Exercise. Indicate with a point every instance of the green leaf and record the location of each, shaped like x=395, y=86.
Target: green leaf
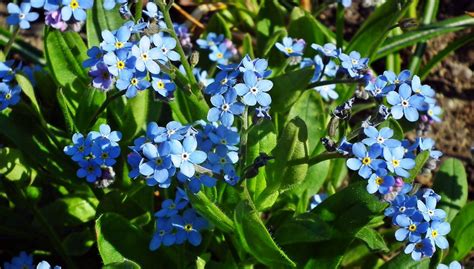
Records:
x=396, y=43
x=125, y=264
x=28, y=90
x=135, y=115
x=13, y=165
x=272, y=40
x=248, y=46
x=89, y=102
x=453, y=46
x=303, y=25
x=420, y=161
x=78, y=243
x=270, y=19
x=219, y=25
x=373, y=239
x=255, y=238
x=261, y=138
x=287, y=88
x=188, y=108
x=304, y=228
x=461, y=235
x=372, y=33
x=99, y=19
x=395, y=126
x=211, y=212
x=66, y=111
x=290, y=165
x=118, y=240
x=451, y=183
x=405, y=261
x=70, y=211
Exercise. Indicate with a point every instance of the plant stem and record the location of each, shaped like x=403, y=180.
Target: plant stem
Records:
x=339, y=25
x=323, y=157
x=243, y=141
x=104, y=105
x=329, y=82
x=184, y=61
x=9, y=45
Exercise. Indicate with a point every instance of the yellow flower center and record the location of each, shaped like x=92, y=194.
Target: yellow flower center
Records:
x=366, y=161
x=160, y=84
x=134, y=81
x=74, y=4
x=188, y=227
x=8, y=96
x=396, y=163
x=289, y=50
x=430, y=112
x=412, y=228
x=379, y=181
x=120, y=65
x=434, y=233
x=144, y=56
x=219, y=55
x=119, y=45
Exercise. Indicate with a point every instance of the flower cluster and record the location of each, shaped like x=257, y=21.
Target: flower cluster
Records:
x=9, y=89
x=177, y=222
x=221, y=49
x=25, y=261
x=291, y=47
x=406, y=95
x=95, y=153
x=58, y=14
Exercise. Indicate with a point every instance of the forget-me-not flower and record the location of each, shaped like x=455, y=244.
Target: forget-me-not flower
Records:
x=145, y=56
x=75, y=9
x=423, y=247
x=253, y=90
x=21, y=15
x=165, y=47
x=291, y=47
x=117, y=40
x=131, y=82
x=405, y=104
x=396, y=161
x=225, y=107
x=365, y=160
x=185, y=155
x=382, y=137
x=437, y=231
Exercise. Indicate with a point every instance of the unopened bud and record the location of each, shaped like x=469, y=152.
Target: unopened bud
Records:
x=408, y=24
x=194, y=58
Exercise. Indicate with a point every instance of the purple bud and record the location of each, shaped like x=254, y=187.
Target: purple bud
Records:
x=53, y=19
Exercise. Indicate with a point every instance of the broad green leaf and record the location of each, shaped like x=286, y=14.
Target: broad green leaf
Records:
x=290, y=165
x=261, y=139
x=287, y=88
x=372, y=33
x=13, y=165
x=405, y=261
x=303, y=228
x=66, y=111
x=90, y=101
x=420, y=161
x=337, y=172
x=270, y=19
x=28, y=90
x=453, y=46
x=70, y=211
x=395, y=126
x=373, y=239
x=135, y=115
x=303, y=25
x=461, y=235
x=255, y=238
x=451, y=183
x=125, y=264
x=272, y=40
x=211, y=212
x=99, y=19
x=423, y=33
x=78, y=243
x=248, y=46
x=188, y=107
x=118, y=240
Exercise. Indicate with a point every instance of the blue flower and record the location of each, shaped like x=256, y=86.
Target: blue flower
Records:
x=223, y=160
x=405, y=104
x=291, y=47
x=434, y=112
x=117, y=40
x=420, y=249
x=231, y=178
x=263, y=112
x=105, y=153
x=411, y=227
x=353, y=63
x=381, y=182
x=328, y=50
x=345, y=3
x=452, y=265
x=220, y=54
x=164, y=234
x=46, y=265
x=194, y=183
x=89, y=169
x=146, y=56
x=224, y=80
x=254, y=91
x=136, y=28
x=396, y=162
x=170, y=208
x=188, y=227
x=48, y=5
x=101, y=77
x=380, y=87
x=165, y=47
x=437, y=231
x=225, y=107
x=82, y=147
x=345, y=147
x=9, y=95
x=173, y=131
x=95, y=56
x=225, y=137
x=158, y=167
x=76, y=9
x=119, y=61
x=317, y=199
x=184, y=156
x=428, y=144
x=365, y=161
x=403, y=77
x=401, y=205
x=163, y=85
x=327, y=92
x=7, y=73
x=21, y=15
x=152, y=11
x=258, y=66
x=132, y=82
x=110, y=4
x=106, y=133
x=429, y=211
x=23, y=260
x=382, y=137
x=212, y=39
x=134, y=159
x=418, y=88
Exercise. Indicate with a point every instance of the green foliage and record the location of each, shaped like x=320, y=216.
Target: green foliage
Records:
x=99, y=19
x=462, y=232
